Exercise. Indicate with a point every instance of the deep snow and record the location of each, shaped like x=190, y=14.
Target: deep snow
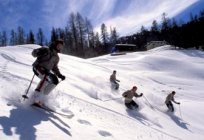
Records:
x=99, y=110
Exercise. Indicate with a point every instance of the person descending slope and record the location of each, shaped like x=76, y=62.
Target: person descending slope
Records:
x=46, y=68
x=128, y=95
x=168, y=100
x=113, y=80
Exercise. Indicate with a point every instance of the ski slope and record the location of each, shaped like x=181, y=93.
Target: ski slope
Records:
x=99, y=111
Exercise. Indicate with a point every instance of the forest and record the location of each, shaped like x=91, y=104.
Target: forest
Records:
x=81, y=40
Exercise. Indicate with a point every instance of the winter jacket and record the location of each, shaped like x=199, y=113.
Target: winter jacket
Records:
x=129, y=94
x=47, y=58
x=113, y=78
x=170, y=97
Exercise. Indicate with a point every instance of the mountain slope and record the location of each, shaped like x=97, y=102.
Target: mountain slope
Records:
x=99, y=110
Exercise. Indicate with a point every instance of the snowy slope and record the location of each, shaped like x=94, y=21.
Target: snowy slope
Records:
x=99, y=110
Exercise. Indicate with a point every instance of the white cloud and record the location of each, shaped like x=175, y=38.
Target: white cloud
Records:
x=102, y=9
x=96, y=10
x=144, y=12
x=138, y=12
x=131, y=16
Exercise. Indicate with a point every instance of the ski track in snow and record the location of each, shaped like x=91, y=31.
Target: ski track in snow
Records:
x=12, y=59
x=79, y=103
x=132, y=115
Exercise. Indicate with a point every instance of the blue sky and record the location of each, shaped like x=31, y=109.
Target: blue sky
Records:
x=126, y=15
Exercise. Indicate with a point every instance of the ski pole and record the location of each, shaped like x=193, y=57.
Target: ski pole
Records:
x=148, y=102
x=111, y=99
x=180, y=111
x=25, y=95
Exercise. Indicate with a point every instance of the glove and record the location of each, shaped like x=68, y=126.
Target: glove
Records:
x=118, y=80
x=141, y=94
x=178, y=103
x=61, y=77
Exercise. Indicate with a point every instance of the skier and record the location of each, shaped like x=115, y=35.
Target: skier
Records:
x=168, y=100
x=46, y=68
x=128, y=95
x=113, y=80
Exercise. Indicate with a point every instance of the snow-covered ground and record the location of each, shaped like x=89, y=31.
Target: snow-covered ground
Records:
x=99, y=110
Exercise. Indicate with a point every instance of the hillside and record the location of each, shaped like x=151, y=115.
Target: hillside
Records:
x=99, y=110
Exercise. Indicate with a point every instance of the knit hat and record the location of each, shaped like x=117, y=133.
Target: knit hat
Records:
x=134, y=87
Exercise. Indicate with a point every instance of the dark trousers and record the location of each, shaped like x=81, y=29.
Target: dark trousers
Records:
x=170, y=106
x=131, y=105
x=45, y=77
x=115, y=84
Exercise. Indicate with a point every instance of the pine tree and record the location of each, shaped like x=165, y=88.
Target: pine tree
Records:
x=3, y=38
x=113, y=36
x=90, y=34
x=40, y=37
x=20, y=36
x=13, y=38
x=97, y=42
x=68, y=41
x=104, y=34
x=165, y=22
x=73, y=31
x=154, y=27
x=80, y=24
x=104, y=38
x=53, y=35
x=60, y=33
x=30, y=38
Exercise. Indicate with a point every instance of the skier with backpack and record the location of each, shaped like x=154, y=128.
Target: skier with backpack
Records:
x=128, y=95
x=169, y=98
x=114, y=81
x=46, y=68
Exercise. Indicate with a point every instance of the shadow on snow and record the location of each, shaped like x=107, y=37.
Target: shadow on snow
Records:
x=24, y=121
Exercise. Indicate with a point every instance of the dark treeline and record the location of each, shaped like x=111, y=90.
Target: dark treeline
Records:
x=78, y=35
x=80, y=39
x=182, y=35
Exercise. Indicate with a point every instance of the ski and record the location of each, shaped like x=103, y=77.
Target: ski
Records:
x=53, y=111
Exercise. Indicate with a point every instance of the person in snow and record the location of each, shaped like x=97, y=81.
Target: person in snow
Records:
x=168, y=100
x=46, y=68
x=113, y=80
x=128, y=95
